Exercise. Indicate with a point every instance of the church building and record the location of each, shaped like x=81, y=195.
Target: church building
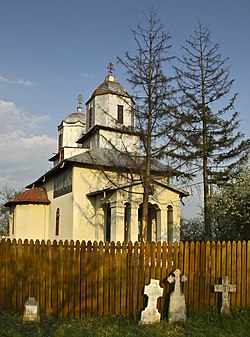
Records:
x=94, y=189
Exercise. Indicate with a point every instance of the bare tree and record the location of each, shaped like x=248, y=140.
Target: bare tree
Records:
x=209, y=129
x=153, y=94
x=6, y=194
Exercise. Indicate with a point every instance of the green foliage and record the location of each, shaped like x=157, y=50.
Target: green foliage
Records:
x=230, y=210
x=205, y=323
x=192, y=229
x=230, y=205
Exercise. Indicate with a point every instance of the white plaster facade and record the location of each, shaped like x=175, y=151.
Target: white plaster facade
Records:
x=90, y=197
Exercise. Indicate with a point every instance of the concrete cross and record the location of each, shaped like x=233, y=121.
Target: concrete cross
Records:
x=225, y=288
x=153, y=291
x=177, y=305
x=151, y=313
x=177, y=279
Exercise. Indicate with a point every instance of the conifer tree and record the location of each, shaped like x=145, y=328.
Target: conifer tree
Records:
x=210, y=123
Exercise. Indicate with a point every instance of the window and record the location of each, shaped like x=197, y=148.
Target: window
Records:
x=57, y=221
x=63, y=183
x=120, y=114
x=60, y=142
x=90, y=117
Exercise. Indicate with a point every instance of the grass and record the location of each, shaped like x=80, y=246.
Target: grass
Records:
x=208, y=323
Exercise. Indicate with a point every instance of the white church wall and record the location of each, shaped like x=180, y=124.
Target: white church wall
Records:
x=105, y=110
x=123, y=142
x=32, y=221
x=64, y=204
x=71, y=134
x=84, y=222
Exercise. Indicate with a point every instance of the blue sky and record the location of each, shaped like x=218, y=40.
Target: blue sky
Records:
x=52, y=50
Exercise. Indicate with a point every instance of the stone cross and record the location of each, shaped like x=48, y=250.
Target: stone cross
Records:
x=225, y=288
x=151, y=313
x=177, y=305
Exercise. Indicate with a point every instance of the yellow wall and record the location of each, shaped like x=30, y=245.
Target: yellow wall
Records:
x=30, y=222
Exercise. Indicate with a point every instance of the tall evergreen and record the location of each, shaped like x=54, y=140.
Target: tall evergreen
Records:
x=210, y=123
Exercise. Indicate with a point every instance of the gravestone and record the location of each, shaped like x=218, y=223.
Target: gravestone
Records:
x=31, y=310
x=225, y=288
x=151, y=314
x=177, y=306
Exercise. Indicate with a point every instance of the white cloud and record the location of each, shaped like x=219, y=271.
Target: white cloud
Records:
x=26, y=83
x=13, y=118
x=23, y=82
x=23, y=154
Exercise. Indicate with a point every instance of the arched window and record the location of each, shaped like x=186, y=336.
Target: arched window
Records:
x=107, y=227
x=57, y=221
x=170, y=215
x=127, y=222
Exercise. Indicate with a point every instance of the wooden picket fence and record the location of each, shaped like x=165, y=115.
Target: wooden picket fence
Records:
x=79, y=279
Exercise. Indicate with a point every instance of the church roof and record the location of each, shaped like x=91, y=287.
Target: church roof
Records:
x=110, y=86
x=181, y=192
x=108, y=159
x=114, y=159
x=75, y=117
x=36, y=195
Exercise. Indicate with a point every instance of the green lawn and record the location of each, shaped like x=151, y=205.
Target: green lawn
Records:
x=202, y=324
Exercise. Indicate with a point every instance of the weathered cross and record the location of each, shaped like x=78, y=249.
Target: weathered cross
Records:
x=80, y=99
x=177, y=279
x=177, y=305
x=110, y=68
x=151, y=314
x=153, y=291
x=225, y=288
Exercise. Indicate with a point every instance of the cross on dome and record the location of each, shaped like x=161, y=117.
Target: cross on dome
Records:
x=110, y=68
x=80, y=99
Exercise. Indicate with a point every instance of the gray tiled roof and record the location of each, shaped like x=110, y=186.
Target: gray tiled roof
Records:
x=115, y=159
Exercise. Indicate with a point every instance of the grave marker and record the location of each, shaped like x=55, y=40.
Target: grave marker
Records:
x=225, y=288
x=151, y=314
x=177, y=306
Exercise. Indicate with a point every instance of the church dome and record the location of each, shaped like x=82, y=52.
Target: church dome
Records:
x=75, y=117
x=110, y=86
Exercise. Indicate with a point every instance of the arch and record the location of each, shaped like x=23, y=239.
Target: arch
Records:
x=107, y=222
x=152, y=222
x=170, y=222
x=127, y=222
x=57, y=221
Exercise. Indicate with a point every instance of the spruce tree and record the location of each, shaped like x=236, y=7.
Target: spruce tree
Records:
x=209, y=130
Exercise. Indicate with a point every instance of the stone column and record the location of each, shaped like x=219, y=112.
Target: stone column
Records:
x=134, y=227
x=117, y=221
x=99, y=224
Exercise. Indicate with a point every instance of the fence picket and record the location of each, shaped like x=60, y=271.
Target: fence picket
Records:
x=14, y=273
